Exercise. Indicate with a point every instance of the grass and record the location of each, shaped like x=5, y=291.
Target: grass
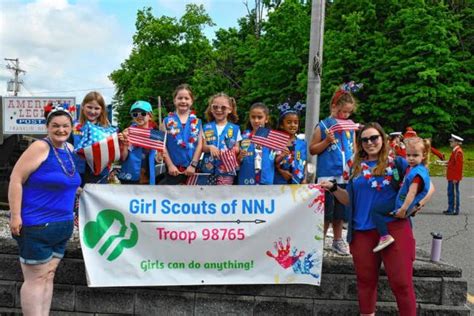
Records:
x=437, y=170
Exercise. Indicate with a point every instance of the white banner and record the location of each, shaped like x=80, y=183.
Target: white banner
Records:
x=134, y=235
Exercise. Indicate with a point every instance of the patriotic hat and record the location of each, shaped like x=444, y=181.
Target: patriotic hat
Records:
x=410, y=133
x=395, y=134
x=51, y=108
x=141, y=105
x=456, y=138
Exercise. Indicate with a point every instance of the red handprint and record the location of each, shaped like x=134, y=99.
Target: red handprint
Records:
x=283, y=257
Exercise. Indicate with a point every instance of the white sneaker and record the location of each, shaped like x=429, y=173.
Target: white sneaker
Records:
x=340, y=247
x=384, y=242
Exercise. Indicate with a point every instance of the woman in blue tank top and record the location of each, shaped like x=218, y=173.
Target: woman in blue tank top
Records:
x=41, y=195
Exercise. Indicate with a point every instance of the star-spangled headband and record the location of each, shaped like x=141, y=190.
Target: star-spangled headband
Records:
x=51, y=108
x=286, y=108
x=348, y=87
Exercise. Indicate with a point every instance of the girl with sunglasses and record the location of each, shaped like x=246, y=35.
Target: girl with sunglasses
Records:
x=371, y=186
x=221, y=135
x=138, y=166
x=333, y=141
x=184, y=141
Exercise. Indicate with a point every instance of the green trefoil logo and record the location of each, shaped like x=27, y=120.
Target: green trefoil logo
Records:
x=109, y=234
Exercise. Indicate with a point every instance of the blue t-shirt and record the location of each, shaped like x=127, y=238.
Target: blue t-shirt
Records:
x=365, y=198
x=48, y=193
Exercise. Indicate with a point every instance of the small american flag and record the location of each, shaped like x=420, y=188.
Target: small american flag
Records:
x=344, y=125
x=147, y=138
x=99, y=146
x=272, y=139
x=197, y=179
x=224, y=180
x=229, y=160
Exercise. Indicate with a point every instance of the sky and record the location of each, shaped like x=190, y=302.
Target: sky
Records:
x=69, y=47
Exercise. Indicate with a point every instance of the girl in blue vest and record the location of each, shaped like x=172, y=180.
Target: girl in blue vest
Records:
x=220, y=134
x=138, y=164
x=290, y=164
x=334, y=146
x=93, y=109
x=255, y=158
x=184, y=140
x=415, y=187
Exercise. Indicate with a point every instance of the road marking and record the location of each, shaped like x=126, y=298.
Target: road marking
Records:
x=470, y=298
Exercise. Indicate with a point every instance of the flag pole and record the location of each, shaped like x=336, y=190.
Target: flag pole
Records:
x=159, y=113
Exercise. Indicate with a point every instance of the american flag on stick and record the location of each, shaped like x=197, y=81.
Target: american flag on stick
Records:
x=99, y=146
x=272, y=139
x=147, y=138
x=229, y=160
x=197, y=179
x=344, y=125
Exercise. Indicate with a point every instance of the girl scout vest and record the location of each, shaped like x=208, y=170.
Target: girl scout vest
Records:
x=247, y=173
x=294, y=163
x=226, y=140
x=421, y=171
x=181, y=142
x=132, y=166
x=333, y=161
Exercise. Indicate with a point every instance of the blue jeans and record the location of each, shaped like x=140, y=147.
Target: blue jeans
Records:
x=379, y=214
x=453, y=197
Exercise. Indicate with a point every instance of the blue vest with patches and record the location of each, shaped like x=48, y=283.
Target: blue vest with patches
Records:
x=179, y=147
x=330, y=162
x=227, y=140
x=418, y=170
x=247, y=174
x=131, y=167
x=294, y=163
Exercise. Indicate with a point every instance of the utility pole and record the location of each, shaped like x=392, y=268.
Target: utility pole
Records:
x=14, y=65
x=313, y=92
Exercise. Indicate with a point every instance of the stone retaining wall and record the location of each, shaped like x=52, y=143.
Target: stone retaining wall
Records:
x=440, y=290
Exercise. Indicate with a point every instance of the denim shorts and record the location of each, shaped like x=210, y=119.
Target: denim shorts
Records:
x=40, y=243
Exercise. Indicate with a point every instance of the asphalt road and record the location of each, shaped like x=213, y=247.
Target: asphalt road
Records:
x=457, y=231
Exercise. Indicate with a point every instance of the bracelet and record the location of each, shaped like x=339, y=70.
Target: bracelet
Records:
x=194, y=164
x=334, y=186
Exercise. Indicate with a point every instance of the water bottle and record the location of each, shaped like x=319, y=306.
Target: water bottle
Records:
x=436, y=247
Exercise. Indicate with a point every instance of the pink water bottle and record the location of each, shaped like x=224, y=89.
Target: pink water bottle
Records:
x=436, y=247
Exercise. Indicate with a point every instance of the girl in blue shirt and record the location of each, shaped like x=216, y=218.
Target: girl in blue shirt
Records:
x=255, y=158
x=184, y=141
x=220, y=133
x=291, y=164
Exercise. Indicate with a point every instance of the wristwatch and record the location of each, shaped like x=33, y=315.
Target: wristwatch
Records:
x=334, y=185
x=194, y=164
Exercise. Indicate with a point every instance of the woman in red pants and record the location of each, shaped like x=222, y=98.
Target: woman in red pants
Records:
x=374, y=184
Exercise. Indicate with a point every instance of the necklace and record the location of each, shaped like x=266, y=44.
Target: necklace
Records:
x=71, y=160
x=172, y=127
x=387, y=178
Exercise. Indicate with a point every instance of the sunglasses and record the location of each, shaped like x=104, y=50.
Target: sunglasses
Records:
x=137, y=114
x=217, y=107
x=373, y=139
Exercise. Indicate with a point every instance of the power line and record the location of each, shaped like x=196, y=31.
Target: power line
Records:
x=78, y=90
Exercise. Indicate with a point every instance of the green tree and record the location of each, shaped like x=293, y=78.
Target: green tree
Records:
x=165, y=54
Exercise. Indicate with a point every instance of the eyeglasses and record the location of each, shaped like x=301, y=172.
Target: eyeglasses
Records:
x=217, y=107
x=137, y=114
x=373, y=139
